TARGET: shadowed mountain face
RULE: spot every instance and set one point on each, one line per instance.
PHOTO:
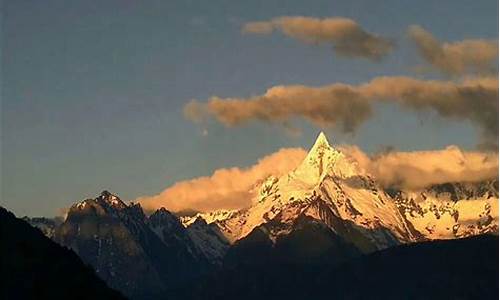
(454, 269)
(97, 231)
(141, 256)
(34, 267)
(310, 242)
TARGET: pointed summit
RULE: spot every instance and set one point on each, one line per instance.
(323, 160)
(320, 146)
(320, 157)
(321, 140)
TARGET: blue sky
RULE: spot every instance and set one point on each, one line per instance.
(93, 91)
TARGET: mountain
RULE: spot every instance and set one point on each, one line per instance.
(104, 232)
(325, 213)
(444, 269)
(208, 240)
(141, 256)
(309, 242)
(329, 187)
(34, 267)
(327, 210)
(451, 210)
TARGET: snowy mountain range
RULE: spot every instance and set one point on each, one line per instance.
(331, 188)
(326, 210)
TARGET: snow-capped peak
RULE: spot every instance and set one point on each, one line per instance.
(328, 186)
(321, 141)
(323, 160)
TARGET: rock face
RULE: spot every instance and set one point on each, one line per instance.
(109, 236)
(208, 240)
(140, 256)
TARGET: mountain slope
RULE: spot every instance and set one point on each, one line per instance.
(310, 242)
(96, 230)
(208, 240)
(446, 269)
(34, 267)
(442, 269)
(139, 256)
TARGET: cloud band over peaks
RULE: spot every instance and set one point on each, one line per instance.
(234, 188)
(226, 188)
(420, 169)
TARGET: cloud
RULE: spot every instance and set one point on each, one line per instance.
(418, 169)
(457, 58)
(336, 104)
(233, 188)
(226, 188)
(348, 106)
(195, 112)
(346, 36)
(263, 27)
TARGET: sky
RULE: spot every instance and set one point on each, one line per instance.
(94, 93)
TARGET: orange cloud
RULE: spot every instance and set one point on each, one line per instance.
(346, 36)
(226, 188)
(348, 106)
(473, 55)
(234, 188)
(419, 169)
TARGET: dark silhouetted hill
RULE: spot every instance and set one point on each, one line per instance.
(34, 267)
(452, 269)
